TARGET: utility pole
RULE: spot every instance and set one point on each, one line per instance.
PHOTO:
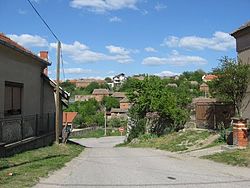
(105, 122)
(57, 92)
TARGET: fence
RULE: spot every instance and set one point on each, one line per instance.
(211, 115)
(20, 128)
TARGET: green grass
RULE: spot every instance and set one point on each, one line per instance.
(235, 158)
(217, 142)
(28, 167)
(98, 133)
(177, 141)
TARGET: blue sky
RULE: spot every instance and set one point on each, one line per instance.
(106, 37)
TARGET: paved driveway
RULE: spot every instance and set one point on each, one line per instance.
(101, 165)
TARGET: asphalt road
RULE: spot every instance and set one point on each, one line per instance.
(101, 165)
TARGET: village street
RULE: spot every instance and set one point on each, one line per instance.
(102, 165)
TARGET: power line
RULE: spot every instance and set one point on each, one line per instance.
(50, 31)
(43, 20)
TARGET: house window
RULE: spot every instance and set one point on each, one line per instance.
(12, 98)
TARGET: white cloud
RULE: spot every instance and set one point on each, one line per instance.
(29, 40)
(174, 59)
(220, 41)
(104, 5)
(166, 74)
(115, 19)
(160, 6)
(150, 49)
(117, 50)
(121, 50)
(81, 53)
(77, 71)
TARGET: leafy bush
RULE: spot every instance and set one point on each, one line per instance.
(110, 102)
(89, 113)
(137, 130)
(117, 122)
(151, 95)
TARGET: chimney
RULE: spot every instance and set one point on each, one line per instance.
(44, 56)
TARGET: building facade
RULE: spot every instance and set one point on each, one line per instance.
(27, 97)
(242, 36)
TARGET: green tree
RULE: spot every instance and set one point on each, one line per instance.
(67, 86)
(108, 80)
(193, 76)
(153, 96)
(130, 84)
(232, 82)
(90, 88)
(117, 122)
(89, 113)
(110, 102)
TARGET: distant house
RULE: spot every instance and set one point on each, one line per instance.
(119, 79)
(27, 99)
(73, 81)
(209, 77)
(119, 95)
(242, 36)
(125, 104)
(83, 97)
(68, 118)
(98, 94)
(117, 112)
(82, 83)
(204, 88)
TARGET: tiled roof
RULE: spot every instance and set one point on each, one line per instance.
(209, 77)
(203, 85)
(68, 117)
(6, 41)
(118, 110)
(124, 100)
(118, 95)
(100, 92)
(246, 25)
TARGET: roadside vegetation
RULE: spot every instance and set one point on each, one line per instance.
(237, 157)
(176, 141)
(25, 169)
(161, 106)
(98, 134)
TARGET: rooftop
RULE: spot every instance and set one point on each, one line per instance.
(68, 117)
(6, 41)
(118, 110)
(119, 95)
(209, 77)
(100, 92)
(241, 28)
(124, 100)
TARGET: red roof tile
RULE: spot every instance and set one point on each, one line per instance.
(209, 77)
(68, 117)
(12, 44)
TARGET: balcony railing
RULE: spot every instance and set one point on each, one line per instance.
(13, 129)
